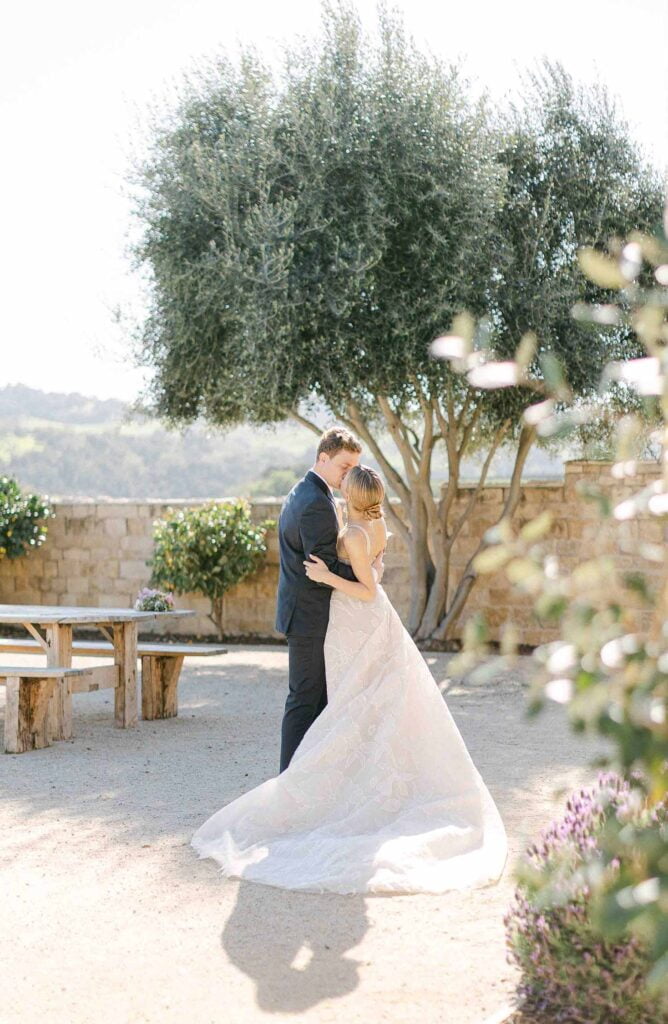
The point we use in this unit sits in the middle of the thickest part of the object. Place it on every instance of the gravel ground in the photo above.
(109, 917)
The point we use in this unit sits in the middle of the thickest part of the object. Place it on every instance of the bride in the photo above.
(381, 795)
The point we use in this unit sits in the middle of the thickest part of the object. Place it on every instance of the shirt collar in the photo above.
(315, 473)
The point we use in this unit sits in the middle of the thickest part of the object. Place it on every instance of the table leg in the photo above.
(59, 653)
(159, 680)
(26, 710)
(125, 656)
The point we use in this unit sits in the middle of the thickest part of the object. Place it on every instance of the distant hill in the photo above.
(70, 445)
(18, 401)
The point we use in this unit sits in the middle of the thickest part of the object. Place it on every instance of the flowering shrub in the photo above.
(22, 519)
(153, 601)
(568, 972)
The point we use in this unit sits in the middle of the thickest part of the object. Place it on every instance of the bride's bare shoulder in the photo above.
(353, 540)
(381, 534)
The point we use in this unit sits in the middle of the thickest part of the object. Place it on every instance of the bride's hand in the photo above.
(316, 569)
(378, 565)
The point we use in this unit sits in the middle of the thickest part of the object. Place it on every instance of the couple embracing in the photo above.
(376, 790)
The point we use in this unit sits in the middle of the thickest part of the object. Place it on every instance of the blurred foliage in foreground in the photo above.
(610, 666)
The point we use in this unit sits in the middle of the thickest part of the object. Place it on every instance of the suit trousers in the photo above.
(308, 691)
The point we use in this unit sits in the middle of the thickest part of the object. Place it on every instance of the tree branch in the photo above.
(304, 422)
(468, 429)
(469, 575)
(451, 488)
(355, 422)
(398, 433)
(527, 437)
(498, 438)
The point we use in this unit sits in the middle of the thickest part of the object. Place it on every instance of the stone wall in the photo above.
(97, 550)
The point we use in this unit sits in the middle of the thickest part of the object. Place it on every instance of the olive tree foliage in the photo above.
(309, 234)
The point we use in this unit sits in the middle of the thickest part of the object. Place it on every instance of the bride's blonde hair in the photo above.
(365, 491)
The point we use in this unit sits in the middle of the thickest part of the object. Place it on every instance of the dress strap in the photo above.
(356, 526)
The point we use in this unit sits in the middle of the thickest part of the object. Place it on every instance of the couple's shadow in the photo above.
(294, 944)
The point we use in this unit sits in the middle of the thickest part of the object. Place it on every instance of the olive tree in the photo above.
(309, 235)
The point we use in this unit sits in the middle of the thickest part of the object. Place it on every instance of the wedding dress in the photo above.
(381, 796)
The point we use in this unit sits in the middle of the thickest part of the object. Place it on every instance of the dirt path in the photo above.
(109, 918)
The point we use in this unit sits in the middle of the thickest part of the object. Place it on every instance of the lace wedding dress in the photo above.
(381, 796)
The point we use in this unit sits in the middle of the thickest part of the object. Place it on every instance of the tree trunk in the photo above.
(216, 615)
(421, 565)
(446, 627)
(438, 592)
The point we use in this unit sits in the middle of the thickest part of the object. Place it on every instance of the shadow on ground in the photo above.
(267, 931)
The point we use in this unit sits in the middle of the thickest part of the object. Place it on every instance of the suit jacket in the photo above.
(308, 524)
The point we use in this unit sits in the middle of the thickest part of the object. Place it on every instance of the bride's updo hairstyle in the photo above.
(365, 491)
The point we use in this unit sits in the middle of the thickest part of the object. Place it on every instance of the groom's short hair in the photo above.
(338, 439)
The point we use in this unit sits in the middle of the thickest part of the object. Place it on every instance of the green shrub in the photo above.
(22, 519)
(208, 550)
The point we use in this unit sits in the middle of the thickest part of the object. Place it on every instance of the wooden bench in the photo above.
(160, 669)
(29, 691)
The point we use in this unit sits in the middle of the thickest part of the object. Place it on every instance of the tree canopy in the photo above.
(310, 234)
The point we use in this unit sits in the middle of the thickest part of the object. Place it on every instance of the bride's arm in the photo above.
(365, 588)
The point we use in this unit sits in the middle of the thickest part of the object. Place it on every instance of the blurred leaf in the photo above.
(636, 582)
(535, 414)
(553, 373)
(600, 269)
(450, 346)
(526, 350)
(494, 375)
(492, 559)
(642, 374)
(537, 527)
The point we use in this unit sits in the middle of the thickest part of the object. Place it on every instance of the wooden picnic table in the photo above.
(51, 626)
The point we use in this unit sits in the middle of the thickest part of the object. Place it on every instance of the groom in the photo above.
(308, 525)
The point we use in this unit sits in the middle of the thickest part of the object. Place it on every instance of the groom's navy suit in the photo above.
(307, 525)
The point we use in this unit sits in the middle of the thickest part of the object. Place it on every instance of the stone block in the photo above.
(105, 566)
(76, 530)
(651, 531)
(83, 511)
(116, 527)
(74, 598)
(139, 527)
(119, 510)
(74, 554)
(130, 544)
(133, 569)
(25, 595)
(111, 599)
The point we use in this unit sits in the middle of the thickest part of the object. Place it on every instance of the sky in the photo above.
(76, 79)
